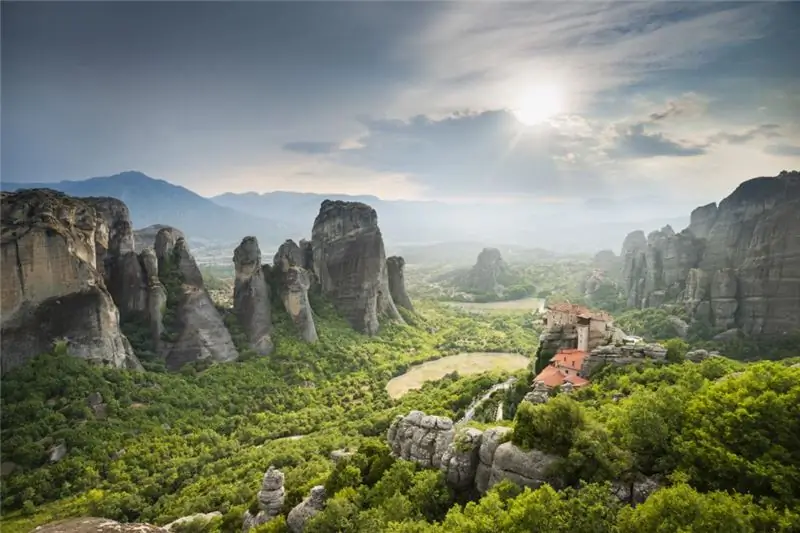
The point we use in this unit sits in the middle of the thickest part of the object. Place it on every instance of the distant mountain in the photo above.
(407, 223)
(155, 201)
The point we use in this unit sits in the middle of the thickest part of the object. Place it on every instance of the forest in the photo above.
(721, 437)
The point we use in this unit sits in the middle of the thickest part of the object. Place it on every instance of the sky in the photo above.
(665, 104)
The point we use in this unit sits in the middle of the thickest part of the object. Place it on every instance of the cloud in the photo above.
(311, 147)
(480, 154)
(764, 130)
(688, 105)
(586, 47)
(787, 150)
(633, 142)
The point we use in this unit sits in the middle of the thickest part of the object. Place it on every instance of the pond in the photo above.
(464, 363)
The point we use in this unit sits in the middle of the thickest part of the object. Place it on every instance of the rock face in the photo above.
(350, 263)
(116, 257)
(96, 525)
(736, 265)
(305, 510)
(270, 500)
(200, 333)
(621, 355)
(294, 281)
(156, 294)
(51, 286)
(251, 296)
(395, 266)
(467, 457)
(146, 237)
(488, 274)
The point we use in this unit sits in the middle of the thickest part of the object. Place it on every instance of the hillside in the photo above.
(155, 201)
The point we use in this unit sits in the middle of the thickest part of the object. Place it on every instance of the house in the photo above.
(564, 367)
(590, 326)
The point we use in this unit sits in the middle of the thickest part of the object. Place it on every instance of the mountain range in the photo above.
(276, 216)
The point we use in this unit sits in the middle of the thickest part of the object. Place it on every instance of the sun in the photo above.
(538, 104)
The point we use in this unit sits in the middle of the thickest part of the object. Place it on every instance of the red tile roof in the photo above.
(569, 358)
(554, 377)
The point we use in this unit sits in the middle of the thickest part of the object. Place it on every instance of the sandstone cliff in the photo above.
(737, 265)
(251, 297)
(350, 263)
(199, 330)
(51, 287)
(397, 282)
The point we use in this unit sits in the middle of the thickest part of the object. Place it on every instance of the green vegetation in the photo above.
(722, 438)
(170, 444)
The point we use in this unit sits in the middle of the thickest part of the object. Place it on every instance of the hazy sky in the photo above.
(673, 101)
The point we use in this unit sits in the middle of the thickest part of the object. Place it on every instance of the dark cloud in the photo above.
(633, 142)
(311, 147)
(783, 150)
(764, 130)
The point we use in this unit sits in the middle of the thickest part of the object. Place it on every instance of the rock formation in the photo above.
(395, 266)
(621, 355)
(146, 237)
(251, 296)
(489, 273)
(116, 257)
(51, 288)
(350, 263)
(156, 294)
(293, 282)
(201, 333)
(467, 456)
(736, 265)
(270, 500)
(305, 510)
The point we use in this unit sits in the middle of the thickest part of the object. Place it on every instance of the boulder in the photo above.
(421, 438)
(51, 288)
(460, 459)
(681, 327)
(524, 468)
(350, 263)
(305, 510)
(251, 296)
(395, 266)
(57, 452)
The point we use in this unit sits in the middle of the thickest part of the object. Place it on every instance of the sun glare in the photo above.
(538, 104)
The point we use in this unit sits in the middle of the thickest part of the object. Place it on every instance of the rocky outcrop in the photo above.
(116, 257)
(51, 287)
(251, 296)
(395, 266)
(350, 263)
(156, 294)
(468, 457)
(737, 265)
(307, 509)
(97, 525)
(489, 272)
(199, 330)
(270, 500)
(198, 519)
(622, 355)
(146, 237)
(288, 255)
(294, 281)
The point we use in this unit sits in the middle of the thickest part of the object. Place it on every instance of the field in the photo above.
(464, 364)
(524, 304)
